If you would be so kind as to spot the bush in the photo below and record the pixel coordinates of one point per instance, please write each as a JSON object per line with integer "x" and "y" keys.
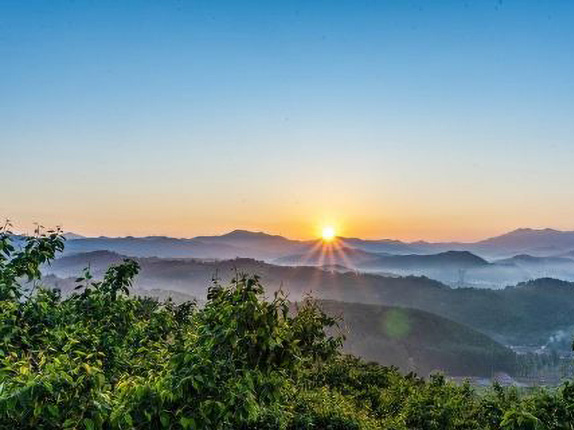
{"x": 101, "y": 359}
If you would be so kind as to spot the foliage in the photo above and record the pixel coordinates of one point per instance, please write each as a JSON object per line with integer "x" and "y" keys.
{"x": 101, "y": 359}
{"x": 532, "y": 313}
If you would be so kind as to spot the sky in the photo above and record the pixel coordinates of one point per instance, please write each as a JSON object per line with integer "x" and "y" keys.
{"x": 446, "y": 120}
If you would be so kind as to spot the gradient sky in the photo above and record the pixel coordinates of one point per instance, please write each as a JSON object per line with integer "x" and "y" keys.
{"x": 402, "y": 119}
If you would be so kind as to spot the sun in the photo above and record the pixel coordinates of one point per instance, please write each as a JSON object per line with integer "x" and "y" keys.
{"x": 328, "y": 233}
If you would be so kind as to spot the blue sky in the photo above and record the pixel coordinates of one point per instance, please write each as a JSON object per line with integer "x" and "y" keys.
{"x": 440, "y": 120}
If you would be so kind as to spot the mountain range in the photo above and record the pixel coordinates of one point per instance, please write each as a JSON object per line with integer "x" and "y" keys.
{"x": 242, "y": 243}
{"x": 414, "y": 305}
{"x": 513, "y": 257}
{"x": 413, "y": 322}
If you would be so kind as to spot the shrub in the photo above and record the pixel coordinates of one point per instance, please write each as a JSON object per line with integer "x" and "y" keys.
{"x": 101, "y": 359}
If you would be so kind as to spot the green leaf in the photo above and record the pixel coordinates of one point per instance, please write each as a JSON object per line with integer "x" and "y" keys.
{"x": 89, "y": 424}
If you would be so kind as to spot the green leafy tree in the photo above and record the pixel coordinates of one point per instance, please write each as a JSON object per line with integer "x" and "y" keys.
{"x": 103, "y": 359}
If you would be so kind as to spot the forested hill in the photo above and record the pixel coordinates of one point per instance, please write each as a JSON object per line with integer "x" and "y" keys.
{"x": 529, "y": 313}
{"x": 418, "y": 341}
{"x": 410, "y": 339}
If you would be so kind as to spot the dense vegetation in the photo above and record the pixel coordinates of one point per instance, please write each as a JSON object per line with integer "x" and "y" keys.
{"x": 101, "y": 359}
{"x": 426, "y": 342}
{"x": 530, "y": 313}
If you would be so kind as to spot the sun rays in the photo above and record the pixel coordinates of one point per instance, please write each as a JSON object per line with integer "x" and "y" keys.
{"x": 328, "y": 250}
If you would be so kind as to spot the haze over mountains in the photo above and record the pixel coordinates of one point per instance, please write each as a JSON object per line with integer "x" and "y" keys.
{"x": 542, "y": 242}
{"x": 533, "y": 315}
{"x": 513, "y": 257}
{"x": 431, "y": 286}
{"x": 511, "y": 314}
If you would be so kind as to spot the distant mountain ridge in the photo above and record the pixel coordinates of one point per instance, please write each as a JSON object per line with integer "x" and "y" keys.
{"x": 365, "y": 260}
{"x": 513, "y": 257}
{"x": 543, "y": 242}
{"x": 526, "y": 259}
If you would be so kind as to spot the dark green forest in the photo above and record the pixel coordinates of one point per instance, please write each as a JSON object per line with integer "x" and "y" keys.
{"x": 101, "y": 358}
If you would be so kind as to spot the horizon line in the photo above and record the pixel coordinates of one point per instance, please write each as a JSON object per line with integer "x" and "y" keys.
{"x": 351, "y": 237}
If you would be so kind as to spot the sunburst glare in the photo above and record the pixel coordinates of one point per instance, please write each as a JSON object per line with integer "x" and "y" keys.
{"x": 328, "y": 233}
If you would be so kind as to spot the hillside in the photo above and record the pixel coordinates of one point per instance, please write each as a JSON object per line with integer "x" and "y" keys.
{"x": 409, "y": 339}
{"x": 152, "y": 246}
{"x": 67, "y": 286}
{"x": 537, "y": 242}
{"x": 450, "y": 261}
{"x": 238, "y": 243}
{"x": 524, "y": 239}
{"x": 388, "y": 246}
{"x": 418, "y": 341}
{"x": 258, "y": 244}
{"x": 526, "y": 260}
{"x": 529, "y": 313}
